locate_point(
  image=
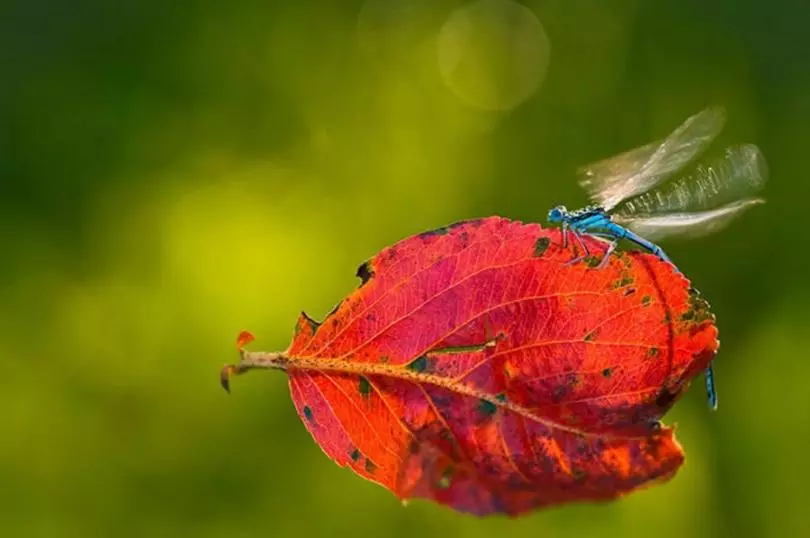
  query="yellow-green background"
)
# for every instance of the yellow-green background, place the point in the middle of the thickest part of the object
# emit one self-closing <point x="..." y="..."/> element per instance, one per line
<point x="173" y="172"/>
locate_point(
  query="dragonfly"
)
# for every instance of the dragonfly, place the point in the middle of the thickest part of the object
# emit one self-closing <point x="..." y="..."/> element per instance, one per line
<point x="647" y="193"/>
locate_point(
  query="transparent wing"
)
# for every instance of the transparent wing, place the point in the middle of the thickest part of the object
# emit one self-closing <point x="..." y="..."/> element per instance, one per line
<point x="738" y="174"/>
<point x="686" y="224"/>
<point x="612" y="180"/>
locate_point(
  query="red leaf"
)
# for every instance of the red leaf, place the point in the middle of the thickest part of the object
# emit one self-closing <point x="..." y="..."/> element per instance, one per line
<point x="473" y="367"/>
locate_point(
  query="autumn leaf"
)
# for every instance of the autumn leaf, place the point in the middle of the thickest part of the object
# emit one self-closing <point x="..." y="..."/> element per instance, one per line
<point x="474" y="367"/>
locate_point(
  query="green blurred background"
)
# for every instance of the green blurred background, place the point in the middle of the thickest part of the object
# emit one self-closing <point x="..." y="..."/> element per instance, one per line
<point x="171" y="173"/>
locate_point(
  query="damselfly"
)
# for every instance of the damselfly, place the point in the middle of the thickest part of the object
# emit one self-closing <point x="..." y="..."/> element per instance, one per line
<point x="627" y="207"/>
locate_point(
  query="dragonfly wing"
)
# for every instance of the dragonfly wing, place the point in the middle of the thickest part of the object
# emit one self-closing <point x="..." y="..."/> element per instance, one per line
<point x="596" y="175"/>
<point x="686" y="224"/>
<point x="612" y="180"/>
<point x="737" y="175"/>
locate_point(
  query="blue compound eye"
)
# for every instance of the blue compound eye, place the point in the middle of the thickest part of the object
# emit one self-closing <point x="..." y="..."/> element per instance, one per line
<point x="556" y="214"/>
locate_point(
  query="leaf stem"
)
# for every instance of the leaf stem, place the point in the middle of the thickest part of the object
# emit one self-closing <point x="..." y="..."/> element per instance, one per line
<point x="252" y="360"/>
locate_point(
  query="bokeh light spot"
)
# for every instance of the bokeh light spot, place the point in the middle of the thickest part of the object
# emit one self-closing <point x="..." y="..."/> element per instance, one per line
<point x="493" y="54"/>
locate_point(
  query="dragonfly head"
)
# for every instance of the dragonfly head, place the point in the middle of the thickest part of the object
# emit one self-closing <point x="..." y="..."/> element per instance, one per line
<point x="557" y="214"/>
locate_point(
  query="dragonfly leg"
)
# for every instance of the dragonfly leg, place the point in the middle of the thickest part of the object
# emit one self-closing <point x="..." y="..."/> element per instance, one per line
<point x="711" y="389"/>
<point x="565" y="235"/>
<point x="612" y="244"/>
<point x="585" y="251"/>
<point x="608" y="252"/>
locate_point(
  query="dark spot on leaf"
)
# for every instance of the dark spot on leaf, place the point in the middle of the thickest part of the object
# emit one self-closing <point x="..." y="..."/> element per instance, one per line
<point x="385" y="358"/>
<point x="558" y="393"/>
<point x="371" y="317"/>
<point x="460" y="223"/>
<point x="438" y="231"/>
<point x="541" y="246"/>
<point x="646" y="300"/>
<point x="625" y="259"/>
<point x="355" y="455"/>
<point x="592" y="261"/>
<point x="629" y="291"/>
<point x="487" y="408"/>
<point x="365" y="272"/>
<point x="310" y="323"/>
<point x="308" y="413"/>
<point x="698" y="308"/>
<point x="364" y="387"/>
<point x="446" y="478"/>
<point x="653" y="352"/>
<point x="371" y="467"/>
<point x="665" y="398"/>
<point x="607" y="372"/>
<point x="625" y="280"/>
<point x="419" y="364"/>
<point x="573" y="380"/>
<point x="501" y="397"/>
<point x="591" y="335"/>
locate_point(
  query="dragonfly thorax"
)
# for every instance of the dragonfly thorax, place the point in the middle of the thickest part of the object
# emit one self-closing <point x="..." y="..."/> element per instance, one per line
<point x="560" y="213"/>
<point x="586" y="211"/>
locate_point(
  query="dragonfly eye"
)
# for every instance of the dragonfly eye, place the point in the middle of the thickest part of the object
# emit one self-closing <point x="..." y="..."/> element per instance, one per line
<point x="556" y="214"/>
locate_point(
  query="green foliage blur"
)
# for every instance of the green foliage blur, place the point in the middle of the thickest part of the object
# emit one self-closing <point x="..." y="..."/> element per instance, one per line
<point x="172" y="173"/>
